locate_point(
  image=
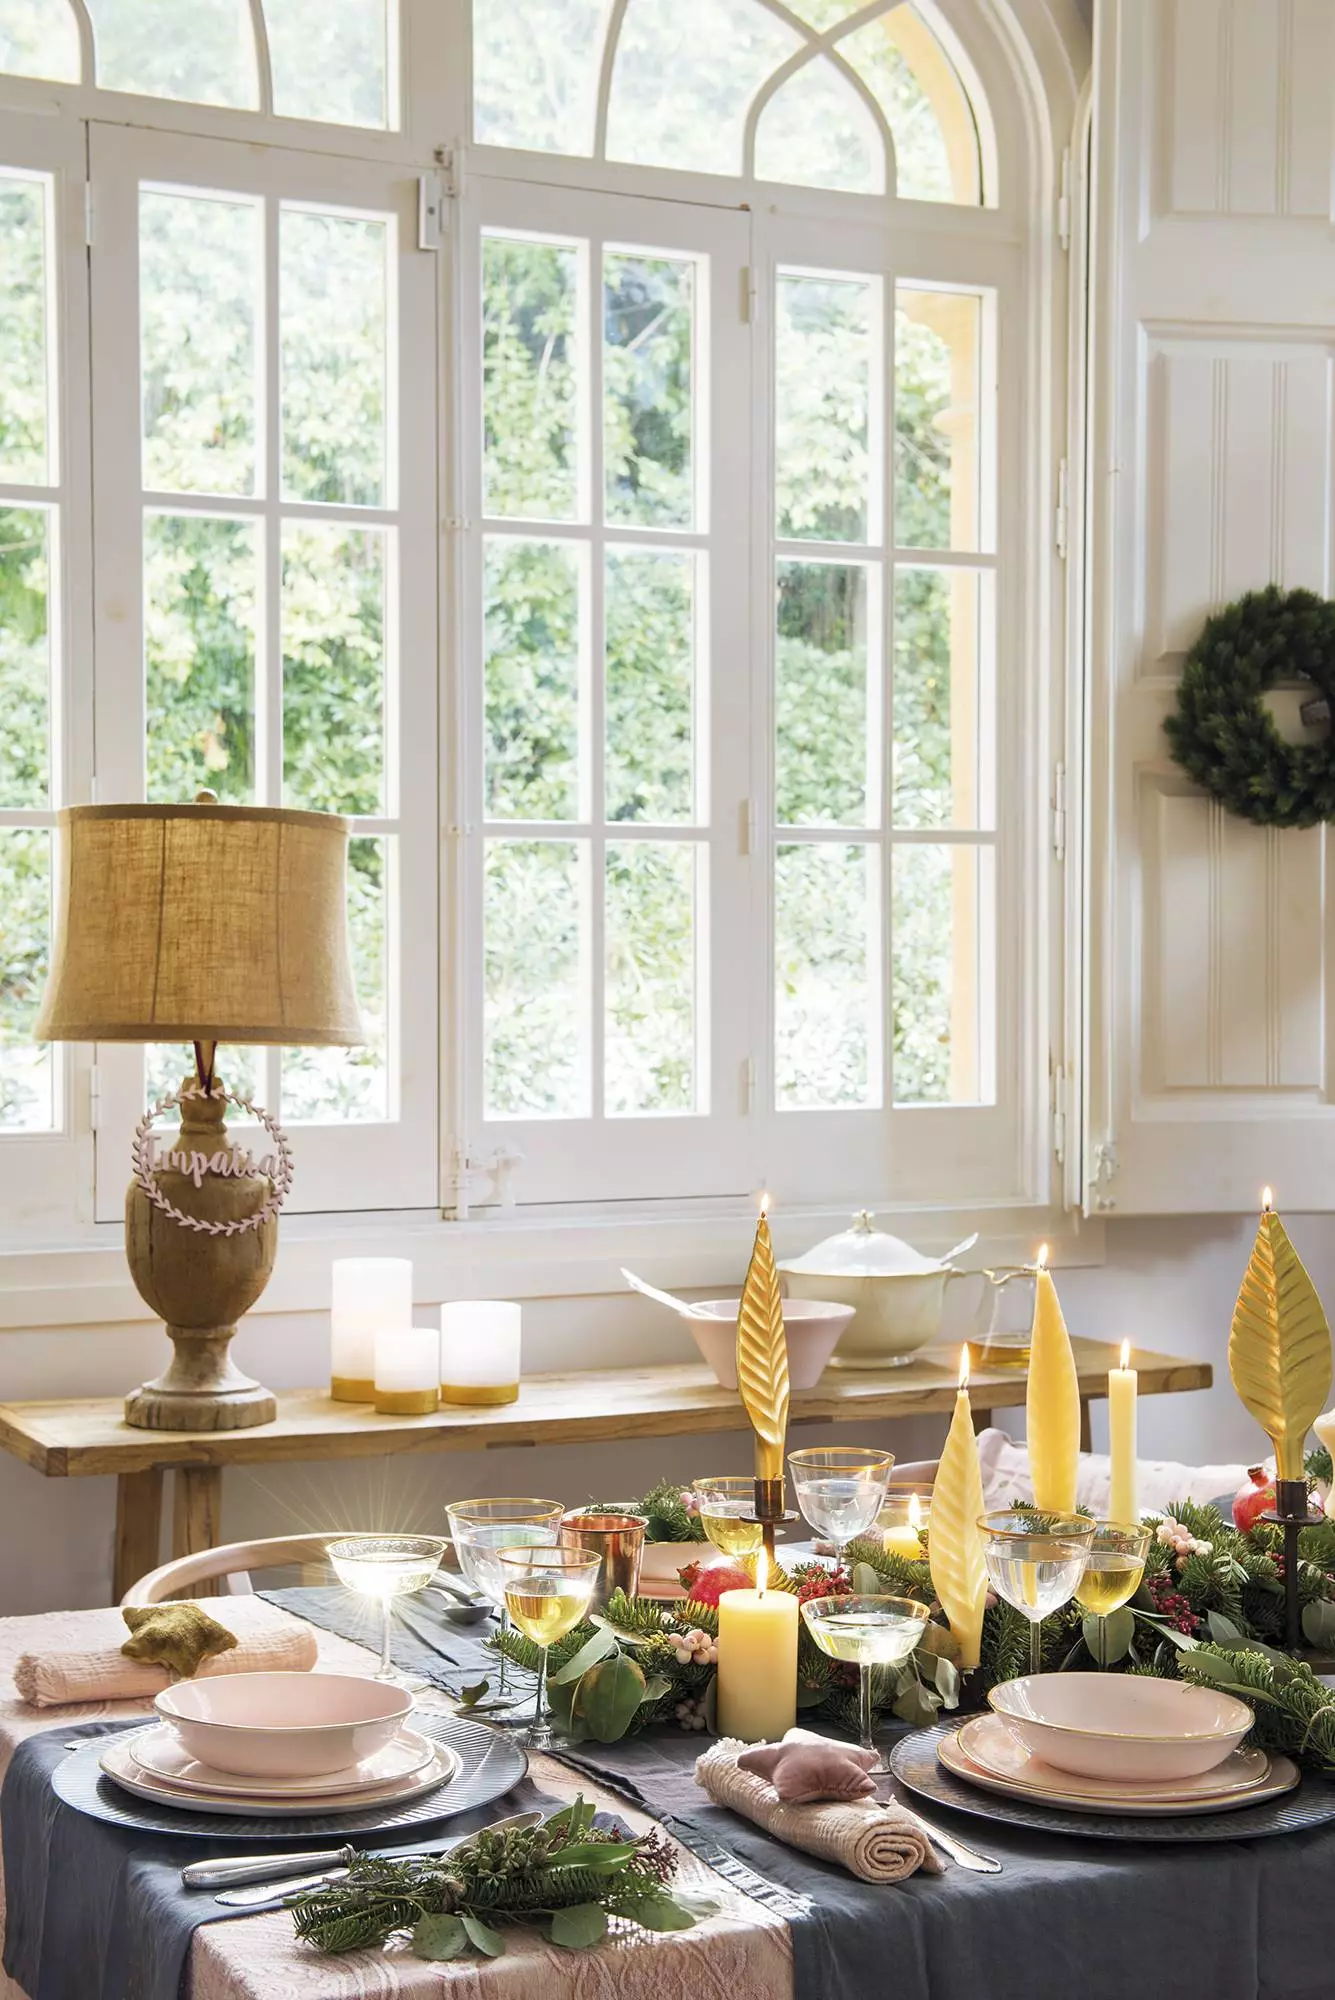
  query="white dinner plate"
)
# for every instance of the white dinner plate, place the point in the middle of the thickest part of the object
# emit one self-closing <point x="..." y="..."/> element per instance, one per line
<point x="161" y="1753"/>
<point x="120" y="1765"/>
<point x="1011" y="1771"/>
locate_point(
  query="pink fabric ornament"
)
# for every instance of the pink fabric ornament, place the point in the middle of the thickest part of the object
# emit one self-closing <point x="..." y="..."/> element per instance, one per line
<point x="806" y="1771"/>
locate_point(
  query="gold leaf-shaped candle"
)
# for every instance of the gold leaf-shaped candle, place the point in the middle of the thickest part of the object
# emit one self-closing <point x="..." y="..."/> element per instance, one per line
<point x="1052" y="1402"/>
<point x="955" y="1544"/>
<point x="762" y="1356"/>
<point x="1279" y="1348"/>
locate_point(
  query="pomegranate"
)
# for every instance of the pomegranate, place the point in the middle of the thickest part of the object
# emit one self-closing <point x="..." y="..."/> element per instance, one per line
<point x="705" y="1583"/>
<point x="1254" y="1498"/>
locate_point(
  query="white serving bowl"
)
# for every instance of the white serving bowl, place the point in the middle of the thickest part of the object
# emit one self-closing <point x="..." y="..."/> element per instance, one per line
<point x="284" y="1725"/>
<point x="813" y="1327"/>
<point x="1122" y="1725"/>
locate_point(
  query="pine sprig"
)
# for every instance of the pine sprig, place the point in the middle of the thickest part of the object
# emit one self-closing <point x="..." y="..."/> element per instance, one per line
<point x="1295" y="1712"/>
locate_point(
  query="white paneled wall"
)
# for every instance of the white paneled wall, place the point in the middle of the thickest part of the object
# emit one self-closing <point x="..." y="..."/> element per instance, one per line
<point x="1212" y="453"/>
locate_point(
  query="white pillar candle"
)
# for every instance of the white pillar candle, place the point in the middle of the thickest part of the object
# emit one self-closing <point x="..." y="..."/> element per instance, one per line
<point x="479" y="1351"/>
<point x="407" y="1370"/>
<point x="368" y="1293"/>
<point x="1123" y="1499"/>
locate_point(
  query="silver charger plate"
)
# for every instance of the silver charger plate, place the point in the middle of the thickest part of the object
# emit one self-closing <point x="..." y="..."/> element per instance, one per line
<point x="490" y="1765"/>
<point x="913" y="1760"/>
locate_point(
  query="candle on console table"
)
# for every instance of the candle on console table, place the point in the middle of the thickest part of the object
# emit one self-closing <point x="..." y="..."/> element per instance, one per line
<point x="955" y="1544"/>
<point x="1052" y="1404"/>
<point x="407" y="1371"/>
<point x="367" y="1293"/>
<point x="479" y="1351"/>
<point x="757" y="1661"/>
<point x="1123" y="1498"/>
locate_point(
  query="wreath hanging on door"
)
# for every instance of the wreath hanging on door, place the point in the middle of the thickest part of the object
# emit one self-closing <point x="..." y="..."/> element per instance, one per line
<point x="1222" y="734"/>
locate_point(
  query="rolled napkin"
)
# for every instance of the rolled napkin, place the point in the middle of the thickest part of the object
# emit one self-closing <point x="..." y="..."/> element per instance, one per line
<point x="877" y="1843"/>
<point x="268" y="1640"/>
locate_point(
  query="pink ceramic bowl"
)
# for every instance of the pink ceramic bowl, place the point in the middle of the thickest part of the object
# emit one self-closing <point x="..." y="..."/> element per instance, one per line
<point x="813" y="1329"/>
<point x="1123" y="1726"/>
<point x="284" y="1725"/>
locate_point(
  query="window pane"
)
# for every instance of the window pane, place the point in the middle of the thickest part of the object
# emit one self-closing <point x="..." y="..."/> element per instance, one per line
<point x="351" y="1086"/>
<point x="333" y="287"/>
<point x="649" y="1031"/>
<point x="647" y="312"/>
<point x="936" y="419"/>
<point x="167" y="1065"/>
<point x="535" y="1003"/>
<point x="943" y="932"/>
<point x="535" y="73"/>
<point x="826" y="702"/>
<point x="27" y="1073"/>
<point x="534" y="659"/>
<point x="825" y="338"/>
<point x="817" y="132"/>
<point x="824" y="13"/>
<point x="333" y="667"/>
<point x="943" y="699"/>
<point x="207" y="57"/>
<point x="925" y="106"/>
<point x="199" y="265"/>
<point x="25" y="656"/>
<point x="23" y="331"/>
<point x="200" y="587"/>
<point x="826" y="997"/>
<point x="332" y="62"/>
<point x="39" y="38"/>
<point x="531" y="454"/>
<point x="650" y="621"/>
<point x="686" y="71"/>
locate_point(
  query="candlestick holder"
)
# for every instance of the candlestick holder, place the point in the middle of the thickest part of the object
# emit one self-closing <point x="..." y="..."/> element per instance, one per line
<point x="770" y="1513"/>
<point x="1292" y="1515"/>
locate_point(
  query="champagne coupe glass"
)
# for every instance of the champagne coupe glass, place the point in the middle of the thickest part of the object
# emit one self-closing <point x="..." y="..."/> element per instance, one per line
<point x="479" y="1526"/>
<point x="840" y="1489"/>
<point x="547" y="1592"/>
<point x="1112" y="1575"/>
<point x="1035" y="1561"/>
<point x="383" y="1567"/>
<point x="869" y="1632"/>
<point x="727" y="1509"/>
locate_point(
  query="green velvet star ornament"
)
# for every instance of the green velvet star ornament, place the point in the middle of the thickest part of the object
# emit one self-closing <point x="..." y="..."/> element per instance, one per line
<point x="179" y="1637"/>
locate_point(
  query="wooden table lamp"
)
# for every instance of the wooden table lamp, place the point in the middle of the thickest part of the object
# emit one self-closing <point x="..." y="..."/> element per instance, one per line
<point x="201" y="923"/>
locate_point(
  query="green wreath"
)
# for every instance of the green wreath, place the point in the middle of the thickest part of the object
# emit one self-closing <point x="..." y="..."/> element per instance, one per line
<point x="1222" y="734"/>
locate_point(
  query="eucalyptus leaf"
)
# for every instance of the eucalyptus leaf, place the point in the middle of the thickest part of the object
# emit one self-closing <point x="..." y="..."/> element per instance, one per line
<point x="1319" y="1622"/>
<point x="866" y="1581"/>
<point x="946" y="1679"/>
<point x="711" y="1705"/>
<point x="439" y="1936"/>
<point x="655" y="1688"/>
<point x="658" y="1913"/>
<point x="917" y="1705"/>
<point x="1222" y="1628"/>
<point x="581" y="1925"/>
<point x="471" y="1695"/>
<point x="607" y="1697"/>
<point x="483" y="1938"/>
<point x="1118" y="1630"/>
<point x="597" y="1648"/>
<point x="604" y="1855"/>
<point x="578" y="1816"/>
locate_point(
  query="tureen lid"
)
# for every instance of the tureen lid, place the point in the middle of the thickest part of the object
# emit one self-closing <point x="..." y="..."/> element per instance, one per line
<point x="864" y="1251"/>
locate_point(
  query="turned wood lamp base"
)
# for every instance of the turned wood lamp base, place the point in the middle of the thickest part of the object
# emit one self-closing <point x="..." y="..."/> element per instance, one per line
<point x="202" y="1389"/>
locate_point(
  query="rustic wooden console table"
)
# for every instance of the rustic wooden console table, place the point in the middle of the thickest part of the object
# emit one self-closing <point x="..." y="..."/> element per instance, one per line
<point x="68" y="1440"/>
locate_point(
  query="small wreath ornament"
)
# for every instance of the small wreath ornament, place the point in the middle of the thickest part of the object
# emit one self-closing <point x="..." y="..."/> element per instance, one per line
<point x="280" y="1178"/>
<point x="1222" y="734"/>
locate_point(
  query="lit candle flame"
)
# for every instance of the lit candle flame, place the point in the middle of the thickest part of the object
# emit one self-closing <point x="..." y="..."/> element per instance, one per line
<point x="1041" y="1261"/>
<point x="964" y="1367"/>
<point x="915" y="1512"/>
<point x="764" y="1206"/>
<point x="762" y="1572"/>
<point x="1126" y="1354"/>
<point x="1267" y="1200"/>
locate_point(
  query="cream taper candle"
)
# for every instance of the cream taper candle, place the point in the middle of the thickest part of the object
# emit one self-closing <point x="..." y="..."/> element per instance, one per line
<point x="955" y="1544"/>
<point x="1123" y="1497"/>
<point x="1053" y="1401"/>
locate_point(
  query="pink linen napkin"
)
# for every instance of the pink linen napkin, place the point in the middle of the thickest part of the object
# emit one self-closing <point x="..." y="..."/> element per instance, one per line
<point x="268" y="1641"/>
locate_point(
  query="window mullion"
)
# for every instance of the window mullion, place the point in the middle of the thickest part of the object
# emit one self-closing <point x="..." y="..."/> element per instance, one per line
<point x="596" y="671"/>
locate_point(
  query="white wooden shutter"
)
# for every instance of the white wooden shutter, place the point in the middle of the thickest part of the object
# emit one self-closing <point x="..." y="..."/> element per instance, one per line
<point x="1211" y="975"/>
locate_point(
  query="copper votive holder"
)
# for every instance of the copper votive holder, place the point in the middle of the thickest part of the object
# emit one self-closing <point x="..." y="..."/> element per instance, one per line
<point x="618" y="1539"/>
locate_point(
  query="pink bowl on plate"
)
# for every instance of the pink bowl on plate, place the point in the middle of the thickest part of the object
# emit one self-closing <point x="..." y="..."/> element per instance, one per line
<point x="284" y="1725"/>
<point x="813" y="1328"/>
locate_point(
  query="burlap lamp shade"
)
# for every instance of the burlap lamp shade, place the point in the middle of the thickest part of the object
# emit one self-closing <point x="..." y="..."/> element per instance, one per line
<point x="201" y="923"/>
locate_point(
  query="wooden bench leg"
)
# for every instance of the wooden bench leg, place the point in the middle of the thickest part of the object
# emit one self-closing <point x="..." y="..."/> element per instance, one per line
<point x="197" y="1515"/>
<point x="138" y="1528"/>
<point x="1086" y="1427"/>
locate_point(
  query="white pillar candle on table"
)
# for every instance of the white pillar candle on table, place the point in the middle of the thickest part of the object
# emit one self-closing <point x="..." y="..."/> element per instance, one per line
<point x="479" y="1351"/>
<point x="757" y="1662"/>
<point x="1123" y="1499"/>
<point x="407" y="1370"/>
<point x="368" y="1293"/>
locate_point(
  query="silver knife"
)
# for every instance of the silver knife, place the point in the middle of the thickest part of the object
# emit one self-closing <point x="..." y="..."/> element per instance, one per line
<point x="272" y="1895"/>
<point x="230" y="1871"/>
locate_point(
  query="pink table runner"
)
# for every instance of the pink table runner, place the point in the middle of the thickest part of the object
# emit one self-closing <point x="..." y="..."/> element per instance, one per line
<point x="741" y="1953"/>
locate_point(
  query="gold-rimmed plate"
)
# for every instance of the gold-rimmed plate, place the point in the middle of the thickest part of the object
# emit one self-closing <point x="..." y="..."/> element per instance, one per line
<point x="983" y="1753"/>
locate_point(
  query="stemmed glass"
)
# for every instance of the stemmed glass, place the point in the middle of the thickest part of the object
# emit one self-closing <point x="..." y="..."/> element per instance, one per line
<point x="1112" y="1575"/>
<point x="869" y="1632"/>
<point x="383" y="1567"/>
<point x="547" y="1592"/>
<point x="727" y="1504"/>
<point x="840" y="1489"/>
<point x="479" y="1526"/>
<point x="1035" y="1561"/>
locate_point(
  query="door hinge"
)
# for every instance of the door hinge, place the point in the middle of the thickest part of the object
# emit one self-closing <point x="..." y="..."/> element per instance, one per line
<point x="746" y="829"/>
<point x="1059" y="1115"/>
<point x="94" y="1097"/>
<point x="1061" y="516"/>
<point x="748" y="294"/>
<point x="1064" y="201"/>
<point x="1059" y="812"/>
<point x="89" y="214"/>
<point x="431" y="199"/>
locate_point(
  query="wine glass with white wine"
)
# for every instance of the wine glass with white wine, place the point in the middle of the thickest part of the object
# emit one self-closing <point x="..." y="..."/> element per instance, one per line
<point x="866" y="1632"/>
<point x="1112" y="1574"/>
<point x="547" y="1592"/>
<point x="1035" y="1561"/>
<point x="480" y="1526"/>
<point x="383" y="1567"/>
<point x="727" y="1504"/>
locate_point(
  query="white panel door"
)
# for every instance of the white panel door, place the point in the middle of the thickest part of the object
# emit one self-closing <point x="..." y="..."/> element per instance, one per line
<point x="1211" y="1069"/>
